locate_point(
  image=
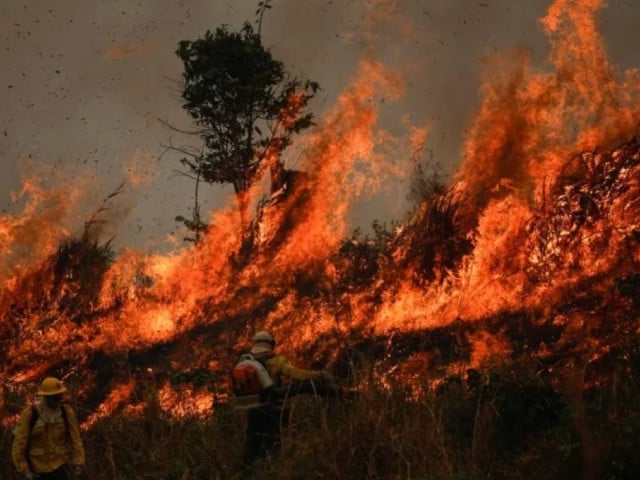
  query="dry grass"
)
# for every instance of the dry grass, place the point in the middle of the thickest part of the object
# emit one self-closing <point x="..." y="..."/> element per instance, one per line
<point x="510" y="426"/>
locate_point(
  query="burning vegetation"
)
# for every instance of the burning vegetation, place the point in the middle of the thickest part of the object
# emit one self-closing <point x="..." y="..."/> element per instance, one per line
<point x="501" y="316"/>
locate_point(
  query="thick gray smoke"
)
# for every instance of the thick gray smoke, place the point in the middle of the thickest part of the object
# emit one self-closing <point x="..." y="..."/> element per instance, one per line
<point x="83" y="84"/>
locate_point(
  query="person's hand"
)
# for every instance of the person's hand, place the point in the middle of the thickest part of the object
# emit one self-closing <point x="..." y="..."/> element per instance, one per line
<point x="29" y="476"/>
<point x="77" y="469"/>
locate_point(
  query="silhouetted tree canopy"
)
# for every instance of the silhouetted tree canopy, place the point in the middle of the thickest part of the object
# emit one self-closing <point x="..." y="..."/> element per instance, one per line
<point x="246" y="105"/>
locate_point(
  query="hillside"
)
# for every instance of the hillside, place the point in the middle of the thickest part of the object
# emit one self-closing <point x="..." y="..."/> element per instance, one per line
<point x="492" y="333"/>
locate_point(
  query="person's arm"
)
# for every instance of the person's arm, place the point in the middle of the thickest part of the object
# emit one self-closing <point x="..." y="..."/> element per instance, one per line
<point x="20" y="441"/>
<point x="295" y="373"/>
<point x="77" y="448"/>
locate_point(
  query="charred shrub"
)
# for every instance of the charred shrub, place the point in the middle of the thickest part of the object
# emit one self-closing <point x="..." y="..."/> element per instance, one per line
<point x="198" y="377"/>
<point x="523" y="410"/>
<point x="623" y="462"/>
<point x="619" y="419"/>
<point x="460" y="410"/>
<point x="358" y="258"/>
<point x="434" y="241"/>
<point x="78" y="268"/>
<point x="499" y="407"/>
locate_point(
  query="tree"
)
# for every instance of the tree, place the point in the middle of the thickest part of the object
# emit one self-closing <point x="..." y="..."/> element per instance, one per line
<point x="246" y="106"/>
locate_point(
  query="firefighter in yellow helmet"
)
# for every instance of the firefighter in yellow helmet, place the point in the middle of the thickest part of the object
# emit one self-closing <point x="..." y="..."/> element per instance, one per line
<point x="47" y="437"/>
<point x="262" y="437"/>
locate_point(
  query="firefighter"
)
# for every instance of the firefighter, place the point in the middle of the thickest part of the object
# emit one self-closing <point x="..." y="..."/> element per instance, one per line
<point x="47" y="439"/>
<point x="262" y="436"/>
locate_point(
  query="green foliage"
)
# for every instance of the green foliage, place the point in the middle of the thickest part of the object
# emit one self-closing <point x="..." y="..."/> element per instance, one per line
<point x="195" y="225"/>
<point x="244" y="101"/>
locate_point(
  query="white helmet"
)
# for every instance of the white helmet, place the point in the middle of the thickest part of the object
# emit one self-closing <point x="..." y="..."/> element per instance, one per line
<point x="263" y="342"/>
<point x="263" y="337"/>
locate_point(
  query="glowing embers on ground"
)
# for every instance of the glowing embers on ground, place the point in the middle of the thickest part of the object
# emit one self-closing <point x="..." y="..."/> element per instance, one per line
<point x="119" y="396"/>
<point x="187" y="401"/>
<point x="133" y="397"/>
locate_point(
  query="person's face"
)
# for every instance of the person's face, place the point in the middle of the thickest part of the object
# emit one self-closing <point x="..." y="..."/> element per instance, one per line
<point x="53" y="401"/>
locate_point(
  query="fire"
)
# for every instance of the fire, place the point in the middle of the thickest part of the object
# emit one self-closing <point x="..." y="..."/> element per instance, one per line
<point x="33" y="233"/>
<point x="159" y="324"/>
<point x="186" y="402"/>
<point x="531" y="123"/>
<point x="118" y="397"/>
<point x="544" y="204"/>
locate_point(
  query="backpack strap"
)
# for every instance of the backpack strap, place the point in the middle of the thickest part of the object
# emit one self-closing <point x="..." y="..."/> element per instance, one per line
<point x="34" y="418"/>
<point x="32" y="422"/>
<point x="65" y="419"/>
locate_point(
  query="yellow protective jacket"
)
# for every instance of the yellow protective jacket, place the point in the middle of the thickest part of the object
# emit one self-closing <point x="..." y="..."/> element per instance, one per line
<point x="49" y="445"/>
<point x="278" y="367"/>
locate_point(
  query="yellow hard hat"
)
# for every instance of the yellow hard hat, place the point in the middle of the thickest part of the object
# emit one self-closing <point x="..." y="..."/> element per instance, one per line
<point x="51" y="386"/>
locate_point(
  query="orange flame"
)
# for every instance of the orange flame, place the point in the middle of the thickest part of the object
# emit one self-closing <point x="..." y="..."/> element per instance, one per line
<point x="520" y="189"/>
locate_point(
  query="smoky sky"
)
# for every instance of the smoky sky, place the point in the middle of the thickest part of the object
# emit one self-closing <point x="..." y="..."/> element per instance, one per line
<point x="84" y="82"/>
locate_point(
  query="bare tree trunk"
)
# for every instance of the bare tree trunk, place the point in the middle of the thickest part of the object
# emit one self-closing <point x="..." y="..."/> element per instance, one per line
<point x="196" y="209"/>
<point x="242" y="199"/>
<point x="276" y="171"/>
